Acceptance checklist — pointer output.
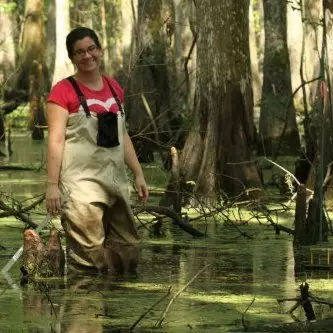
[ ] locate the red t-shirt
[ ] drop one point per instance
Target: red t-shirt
(100, 101)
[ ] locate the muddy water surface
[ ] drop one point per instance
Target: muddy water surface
(236, 272)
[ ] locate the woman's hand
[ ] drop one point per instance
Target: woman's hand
(141, 188)
(53, 199)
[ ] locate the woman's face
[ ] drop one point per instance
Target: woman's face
(86, 55)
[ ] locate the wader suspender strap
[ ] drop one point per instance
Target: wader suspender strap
(83, 101)
(120, 107)
(80, 95)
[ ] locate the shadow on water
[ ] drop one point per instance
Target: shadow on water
(237, 271)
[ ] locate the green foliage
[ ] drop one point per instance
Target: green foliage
(18, 118)
(8, 7)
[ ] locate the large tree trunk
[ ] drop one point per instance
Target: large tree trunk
(217, 152)
(63, 66)
(278, 126)
(254, 53)
(105, 44)
(51, 41)
(7, 46)
(316, 228)
(31, 77)
(294, 37)
(7, 56)
(150, 86)
(311, 12)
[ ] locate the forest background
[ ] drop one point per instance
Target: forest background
(231, 85)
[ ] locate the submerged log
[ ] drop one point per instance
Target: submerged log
(176, 218)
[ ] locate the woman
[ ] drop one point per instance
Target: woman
(87, 180)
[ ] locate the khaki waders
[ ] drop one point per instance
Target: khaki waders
(97, 217)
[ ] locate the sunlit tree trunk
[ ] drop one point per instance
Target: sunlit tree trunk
(128, 40)
(51, 41)
(217, 152)
(278, 128)
(7, 53)
(294, 39)
(312, 222)
(313, 33)
(63, 66)
(32, 64)
(255, 71)
(106, 60)
(7, 46)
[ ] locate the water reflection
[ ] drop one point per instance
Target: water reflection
(92, 303)
(240, 269)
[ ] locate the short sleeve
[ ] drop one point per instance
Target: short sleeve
(59, 94)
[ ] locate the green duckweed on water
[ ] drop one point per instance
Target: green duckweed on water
(242, 277)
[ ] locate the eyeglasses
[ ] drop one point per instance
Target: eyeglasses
(80, 53)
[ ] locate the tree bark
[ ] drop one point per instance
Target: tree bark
(63, 66)
(217, 152)
(153, 77)
(106, 58)
(278, 128)
(7, 54)
(32, 76)
(255, 72)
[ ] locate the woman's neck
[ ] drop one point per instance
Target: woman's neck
(91, 79)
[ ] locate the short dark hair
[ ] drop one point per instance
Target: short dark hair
(78, 34)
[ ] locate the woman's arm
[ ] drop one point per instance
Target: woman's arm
(57, 118)
(132, 162)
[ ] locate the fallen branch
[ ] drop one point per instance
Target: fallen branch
(279, 227)
(159, 323)
(12, 212)
(290, 175)
(152, 307)
(243, 315)
(17, 167)
(20, 213)
(173, 215)
(305, 300)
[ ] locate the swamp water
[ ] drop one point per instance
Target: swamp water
(235, 272)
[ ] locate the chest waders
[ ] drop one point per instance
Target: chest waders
(97, 217)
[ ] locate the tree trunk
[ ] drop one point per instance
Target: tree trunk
(294, 37)
(105, 44)
(256, 75)
(151, 78)
(311, 11)
(31, 78)
(217, 152)
(7, 45)
(51, 41)
(63, 66)
(278, 128)
(128, 38)
(7, 55)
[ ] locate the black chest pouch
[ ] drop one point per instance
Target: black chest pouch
(107, 130)
(107, 122)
